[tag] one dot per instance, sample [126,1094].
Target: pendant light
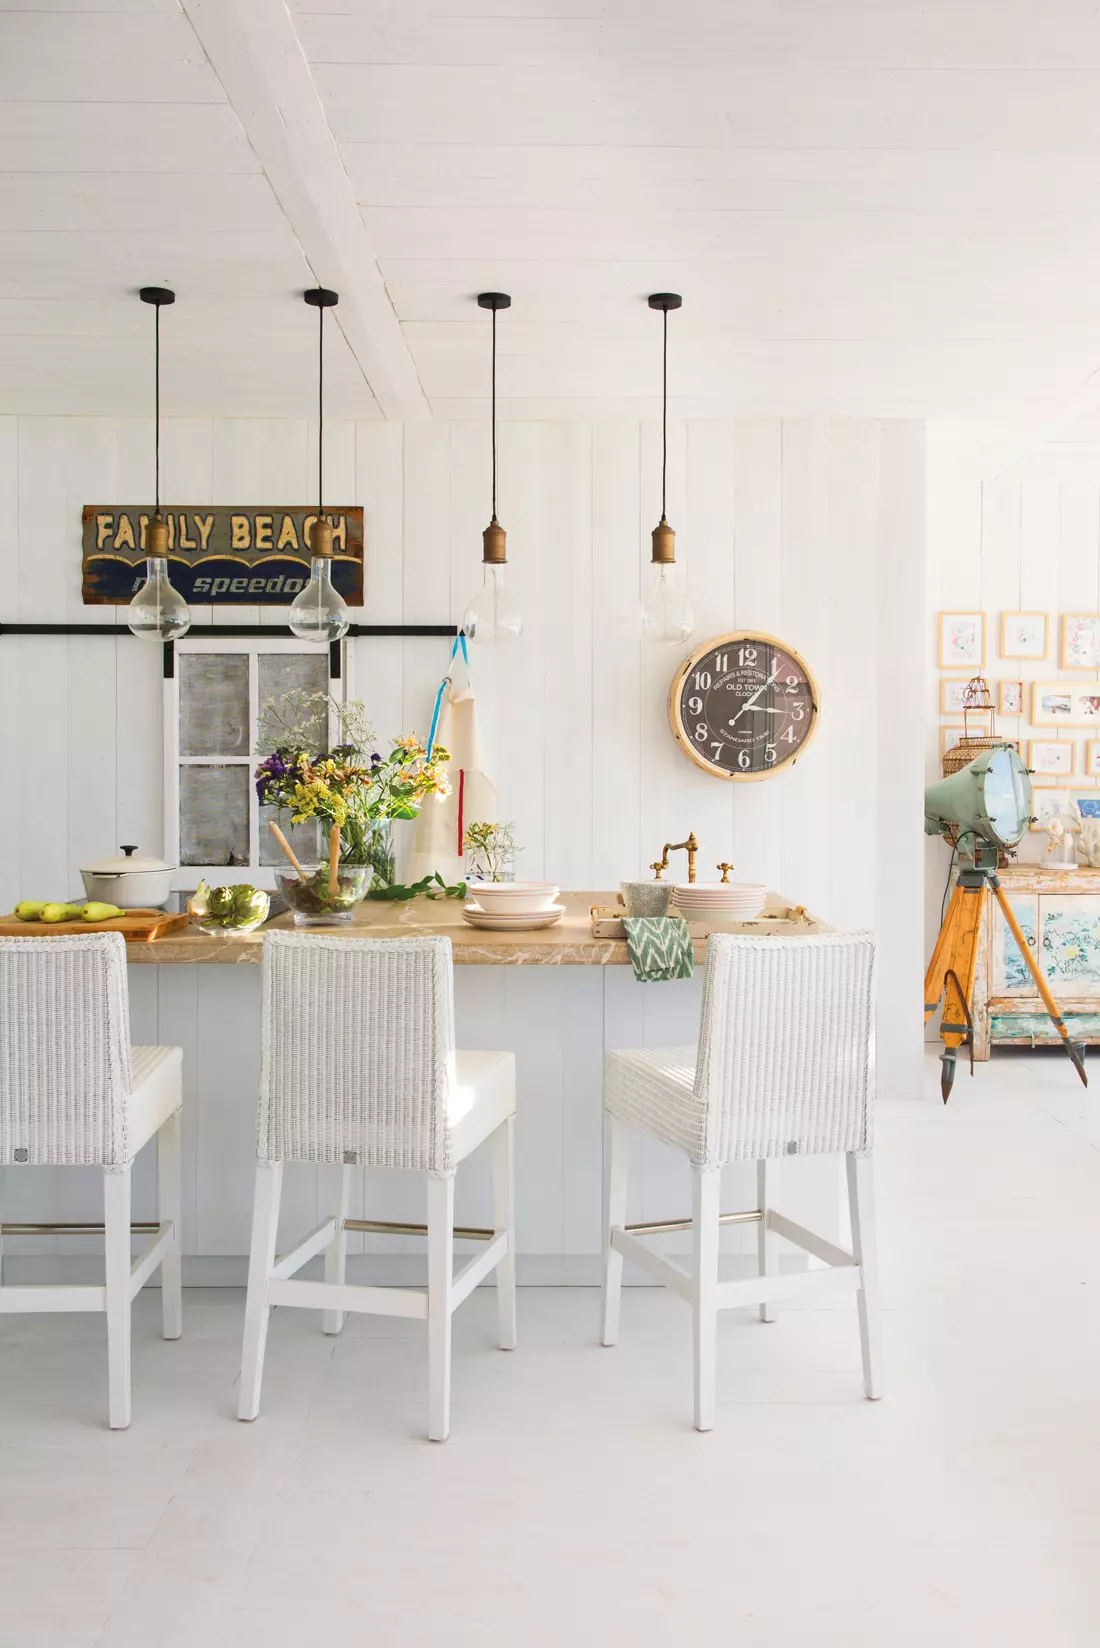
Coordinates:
[319,612]
[493,614]
[157,612]
[666,611]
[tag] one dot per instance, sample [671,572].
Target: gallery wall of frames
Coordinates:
[1014,569]
[1043,673]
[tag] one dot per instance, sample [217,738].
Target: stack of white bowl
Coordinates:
[720,904]
[504,906]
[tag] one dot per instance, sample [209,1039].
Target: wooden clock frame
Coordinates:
[681,734]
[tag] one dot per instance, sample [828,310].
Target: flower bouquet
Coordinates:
[351,790]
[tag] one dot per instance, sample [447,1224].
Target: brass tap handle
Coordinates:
[725,869]
[690,846]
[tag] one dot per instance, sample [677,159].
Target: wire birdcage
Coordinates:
[979,727]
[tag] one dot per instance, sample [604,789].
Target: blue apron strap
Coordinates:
[460,641]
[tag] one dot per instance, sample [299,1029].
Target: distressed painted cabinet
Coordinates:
[1059,913]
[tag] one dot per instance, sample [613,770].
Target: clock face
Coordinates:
[743,705]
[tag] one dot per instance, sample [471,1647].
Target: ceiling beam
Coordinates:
[255,52]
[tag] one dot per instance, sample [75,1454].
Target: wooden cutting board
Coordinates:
[135,925]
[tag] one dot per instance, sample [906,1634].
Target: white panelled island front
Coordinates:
[556,998]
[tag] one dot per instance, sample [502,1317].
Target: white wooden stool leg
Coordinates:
[168,1207]
[705,1204]
[766,1174]
[861,1202]
[441,1223]
[336,1180]
[116,1244]
[261,1259]
[504,1218]
[616,1168]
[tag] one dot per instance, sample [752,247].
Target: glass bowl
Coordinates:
[239,909]
[314,904]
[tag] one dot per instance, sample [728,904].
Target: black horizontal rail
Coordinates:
[251,632]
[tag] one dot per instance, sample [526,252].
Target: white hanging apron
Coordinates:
[441,825]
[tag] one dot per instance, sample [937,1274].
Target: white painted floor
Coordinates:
[574,1502]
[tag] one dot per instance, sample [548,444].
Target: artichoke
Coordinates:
[219,901]
[239,907]
[248,903]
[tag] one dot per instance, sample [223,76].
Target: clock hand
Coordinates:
[749,702]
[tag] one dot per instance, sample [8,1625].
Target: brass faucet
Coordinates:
[691,846]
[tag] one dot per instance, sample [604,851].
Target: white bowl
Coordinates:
[726,900]
[719,921]
[528,897]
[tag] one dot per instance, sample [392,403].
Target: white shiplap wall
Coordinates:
[813,530]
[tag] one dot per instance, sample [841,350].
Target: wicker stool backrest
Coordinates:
[65,1070]
[786,1045]
[357,1050]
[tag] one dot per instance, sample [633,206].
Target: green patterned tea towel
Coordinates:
[660,947]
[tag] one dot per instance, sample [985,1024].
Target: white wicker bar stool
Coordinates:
[358,1068]
[74,1093]
[784,1066]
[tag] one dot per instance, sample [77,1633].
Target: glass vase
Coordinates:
[369,842]
[489,864]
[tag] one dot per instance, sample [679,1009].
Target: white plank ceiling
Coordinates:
[872,207]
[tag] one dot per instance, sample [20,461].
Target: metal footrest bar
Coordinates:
[391,1227]
[144,1228]
[659,1227]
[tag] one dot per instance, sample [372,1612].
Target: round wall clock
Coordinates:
[743,705]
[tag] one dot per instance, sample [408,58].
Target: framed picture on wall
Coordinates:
[1080,640]
[1010,698]
[949,737]
[1065,704]
[1092,758]
[962,640]
[1051,761]
[1048,804]
[1024,635]
[952,692]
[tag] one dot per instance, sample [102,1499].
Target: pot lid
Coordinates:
[132,862]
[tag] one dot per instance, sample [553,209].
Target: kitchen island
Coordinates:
[556,997]
[569,943]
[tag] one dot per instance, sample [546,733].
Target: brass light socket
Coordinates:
[664,544]
[320,539]
[494,540]
[156,539]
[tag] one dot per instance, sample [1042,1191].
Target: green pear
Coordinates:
[99,912]
[30,909]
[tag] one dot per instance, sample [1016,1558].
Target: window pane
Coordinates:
[304,838]
[299,672]
[214,815]
[213,706]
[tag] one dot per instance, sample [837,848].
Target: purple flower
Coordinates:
[376,760]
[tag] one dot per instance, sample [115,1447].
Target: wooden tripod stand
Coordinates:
[951,971]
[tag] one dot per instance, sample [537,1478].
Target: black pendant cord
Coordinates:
[664,408]
[320,408]
[493,414]
[156,398]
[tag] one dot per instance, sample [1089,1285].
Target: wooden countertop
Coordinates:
[567,944]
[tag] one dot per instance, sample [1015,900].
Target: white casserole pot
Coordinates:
[133,882]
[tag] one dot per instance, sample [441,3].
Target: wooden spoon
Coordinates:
[287,849]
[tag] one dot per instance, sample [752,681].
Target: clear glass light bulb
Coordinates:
[666,612]
[319,612]
[158,612]
[493,615]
